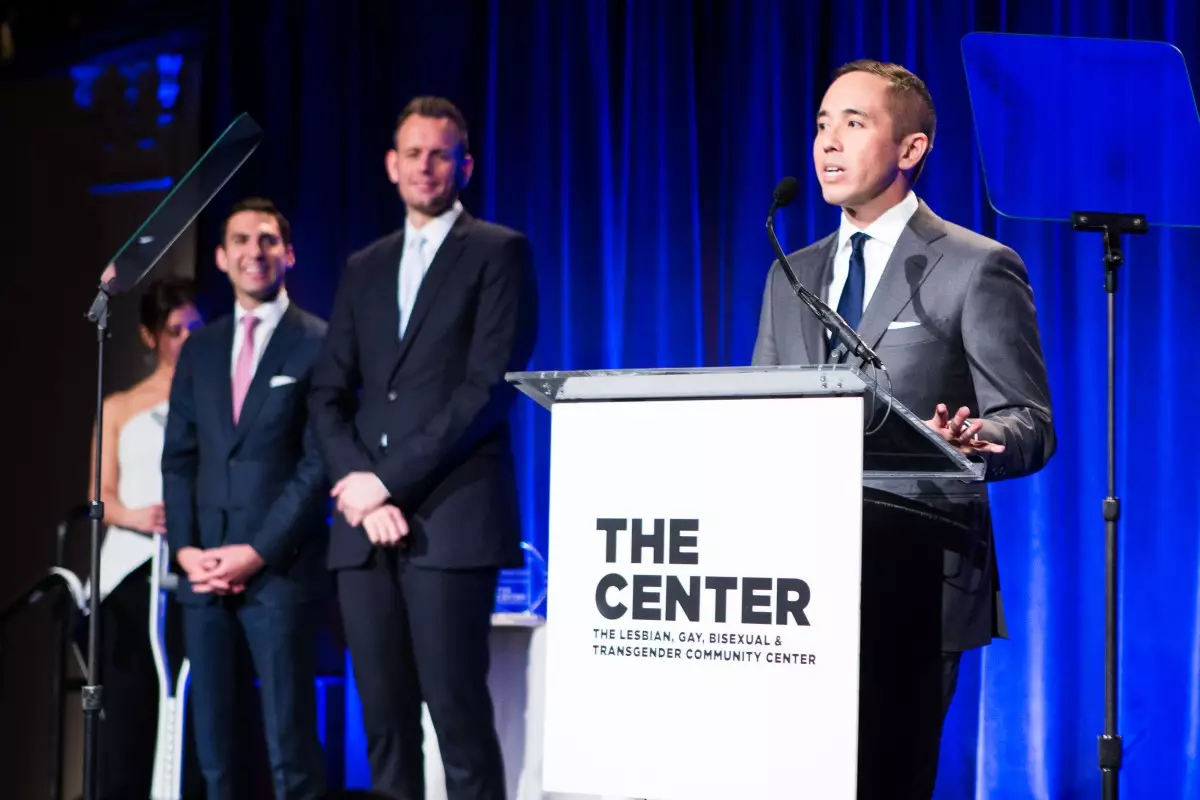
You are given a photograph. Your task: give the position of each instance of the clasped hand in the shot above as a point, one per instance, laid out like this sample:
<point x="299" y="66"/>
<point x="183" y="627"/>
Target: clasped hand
<point x="362" y="500"/>
<point x="961" y="434"/>
<point x="220" y="570"/>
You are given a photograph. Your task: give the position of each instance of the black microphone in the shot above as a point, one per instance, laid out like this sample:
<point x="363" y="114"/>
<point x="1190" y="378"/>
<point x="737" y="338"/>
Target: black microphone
<point x="785" y="193"/>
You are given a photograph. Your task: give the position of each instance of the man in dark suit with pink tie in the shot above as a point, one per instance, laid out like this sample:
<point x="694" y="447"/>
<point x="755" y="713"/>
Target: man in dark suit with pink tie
<point x="246" y="500"/>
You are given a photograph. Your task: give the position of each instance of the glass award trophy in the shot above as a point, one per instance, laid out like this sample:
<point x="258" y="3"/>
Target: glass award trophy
<point x="521" y="592"/>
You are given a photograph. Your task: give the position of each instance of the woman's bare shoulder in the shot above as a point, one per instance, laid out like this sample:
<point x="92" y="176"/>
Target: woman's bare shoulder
<point x="126" y="404"/>
<point x="115" y="406"/>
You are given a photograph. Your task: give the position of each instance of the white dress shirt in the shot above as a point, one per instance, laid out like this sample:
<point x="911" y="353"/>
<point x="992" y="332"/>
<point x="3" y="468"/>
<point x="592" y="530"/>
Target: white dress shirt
<point x="884" y="233"/>
<point x="268" y="315"/>
<point x="420" y="247"/>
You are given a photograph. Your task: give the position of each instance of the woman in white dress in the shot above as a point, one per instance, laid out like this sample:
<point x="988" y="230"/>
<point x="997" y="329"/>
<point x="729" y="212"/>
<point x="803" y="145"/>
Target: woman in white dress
<point x="131" y="489"/>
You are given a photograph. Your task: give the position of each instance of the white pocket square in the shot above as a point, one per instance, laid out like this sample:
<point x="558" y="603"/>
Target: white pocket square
<point x="897" y="325"/>
<point x="281" y="380"/>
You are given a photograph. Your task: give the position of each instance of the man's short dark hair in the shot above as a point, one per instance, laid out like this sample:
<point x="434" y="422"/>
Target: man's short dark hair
<point x="911" y="104"/>
<point x="436" y="108"/>
<point x="263" y="206"/>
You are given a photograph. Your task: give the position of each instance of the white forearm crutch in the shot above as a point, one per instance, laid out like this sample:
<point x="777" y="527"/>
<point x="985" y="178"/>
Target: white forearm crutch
<point x="167" y="783"/>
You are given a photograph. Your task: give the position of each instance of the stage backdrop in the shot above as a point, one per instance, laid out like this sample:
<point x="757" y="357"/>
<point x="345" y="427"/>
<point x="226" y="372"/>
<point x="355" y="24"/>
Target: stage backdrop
<point x="637" y="145"/>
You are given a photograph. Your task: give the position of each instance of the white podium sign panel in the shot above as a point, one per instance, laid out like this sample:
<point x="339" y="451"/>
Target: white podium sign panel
<point x="703" y="611"/>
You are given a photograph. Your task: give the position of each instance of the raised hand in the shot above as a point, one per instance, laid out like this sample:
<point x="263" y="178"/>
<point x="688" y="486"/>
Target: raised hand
<point x="961" y="431"/>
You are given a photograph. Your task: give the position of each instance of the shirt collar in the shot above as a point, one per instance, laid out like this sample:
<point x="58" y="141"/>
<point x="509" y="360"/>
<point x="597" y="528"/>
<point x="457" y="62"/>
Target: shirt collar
<point x="268" y="313"/>
<point x="437" y="229"/>
<point x="887" y="228"/>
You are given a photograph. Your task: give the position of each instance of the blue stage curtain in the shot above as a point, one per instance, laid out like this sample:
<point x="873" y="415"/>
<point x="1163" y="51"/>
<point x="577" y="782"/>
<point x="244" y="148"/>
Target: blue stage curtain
<point x="637" y="144"/>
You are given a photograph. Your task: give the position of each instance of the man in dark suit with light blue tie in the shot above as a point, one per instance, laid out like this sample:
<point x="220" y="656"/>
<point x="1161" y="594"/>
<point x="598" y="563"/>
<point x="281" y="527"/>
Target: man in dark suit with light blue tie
<point x="246" y="499"/>
<point x="951" y="315"/>
<point x="412" y="410"/>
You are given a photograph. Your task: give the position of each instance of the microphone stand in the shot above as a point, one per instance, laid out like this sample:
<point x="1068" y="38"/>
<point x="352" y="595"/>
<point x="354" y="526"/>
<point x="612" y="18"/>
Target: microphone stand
<point x="93" y="693"/>
<point x="1111" y="226"/>
<point x="833" y="321"/>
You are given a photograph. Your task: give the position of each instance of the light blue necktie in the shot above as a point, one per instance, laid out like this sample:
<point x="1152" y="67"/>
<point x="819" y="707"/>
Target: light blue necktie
<point x="412" y="272"/>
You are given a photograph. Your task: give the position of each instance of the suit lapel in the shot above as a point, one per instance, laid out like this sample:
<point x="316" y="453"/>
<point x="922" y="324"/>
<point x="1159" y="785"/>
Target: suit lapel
<point x="385" y="296"/>
<point x="911" y="262"/>
<point x="441" y="268"/>
<point x="224" y="378"/>
<point x="285" y="337"/>
<point x="816" y="343"/>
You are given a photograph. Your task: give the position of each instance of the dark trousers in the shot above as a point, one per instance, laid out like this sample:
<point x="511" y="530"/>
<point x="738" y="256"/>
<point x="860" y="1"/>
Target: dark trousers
<point x="906" y="681"/>
<point x="422" y="635"/>
<point x="129" y="725"/>
<point x="282" y="645"/>
<point x="900" y="727"/>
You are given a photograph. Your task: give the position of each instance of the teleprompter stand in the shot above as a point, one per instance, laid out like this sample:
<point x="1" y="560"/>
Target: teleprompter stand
<point x="93" y="693"/>
<point x="1112" y="227"/>
<point x="1092" y="154"/>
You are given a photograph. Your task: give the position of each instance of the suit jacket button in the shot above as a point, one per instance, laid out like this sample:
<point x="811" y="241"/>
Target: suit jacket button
<point x="391" y="397"/>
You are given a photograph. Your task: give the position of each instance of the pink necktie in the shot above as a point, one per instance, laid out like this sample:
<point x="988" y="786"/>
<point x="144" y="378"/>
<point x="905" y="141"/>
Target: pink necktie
<point x="243" y="372"/>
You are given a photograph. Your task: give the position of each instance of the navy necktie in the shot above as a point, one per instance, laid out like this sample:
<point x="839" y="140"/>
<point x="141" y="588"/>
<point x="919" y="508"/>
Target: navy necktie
<point x="850" y="306"/>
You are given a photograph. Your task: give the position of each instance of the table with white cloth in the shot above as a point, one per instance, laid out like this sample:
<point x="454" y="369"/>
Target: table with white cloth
<point x="517" y="682"/>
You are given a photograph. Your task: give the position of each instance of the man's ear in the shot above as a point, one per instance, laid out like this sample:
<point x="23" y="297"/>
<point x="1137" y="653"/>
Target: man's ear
<point x="913" y="149"/>
<point x="391" y="163"/>
<point x="465" y="170"/>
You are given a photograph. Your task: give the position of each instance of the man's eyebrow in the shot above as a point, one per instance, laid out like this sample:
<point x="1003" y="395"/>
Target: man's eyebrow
<point x="846" y="112"/>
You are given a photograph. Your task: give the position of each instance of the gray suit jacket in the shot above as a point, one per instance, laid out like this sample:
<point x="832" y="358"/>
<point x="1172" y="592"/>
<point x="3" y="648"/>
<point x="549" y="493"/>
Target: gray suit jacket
<point x="976" y="344"/>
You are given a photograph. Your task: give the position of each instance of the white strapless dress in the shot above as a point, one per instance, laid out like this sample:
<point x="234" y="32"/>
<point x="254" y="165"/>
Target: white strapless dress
<point x="139" y="484"/>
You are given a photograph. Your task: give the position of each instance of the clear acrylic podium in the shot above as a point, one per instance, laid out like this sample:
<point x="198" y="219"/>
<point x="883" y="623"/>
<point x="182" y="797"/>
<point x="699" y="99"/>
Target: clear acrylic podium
<point x="896" y="442"/>
<point x="708" y="570"/>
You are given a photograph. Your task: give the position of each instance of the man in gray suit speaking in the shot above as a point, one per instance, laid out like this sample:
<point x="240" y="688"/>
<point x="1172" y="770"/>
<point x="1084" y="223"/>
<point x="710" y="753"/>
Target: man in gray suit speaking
<point x="951" y="315"/>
